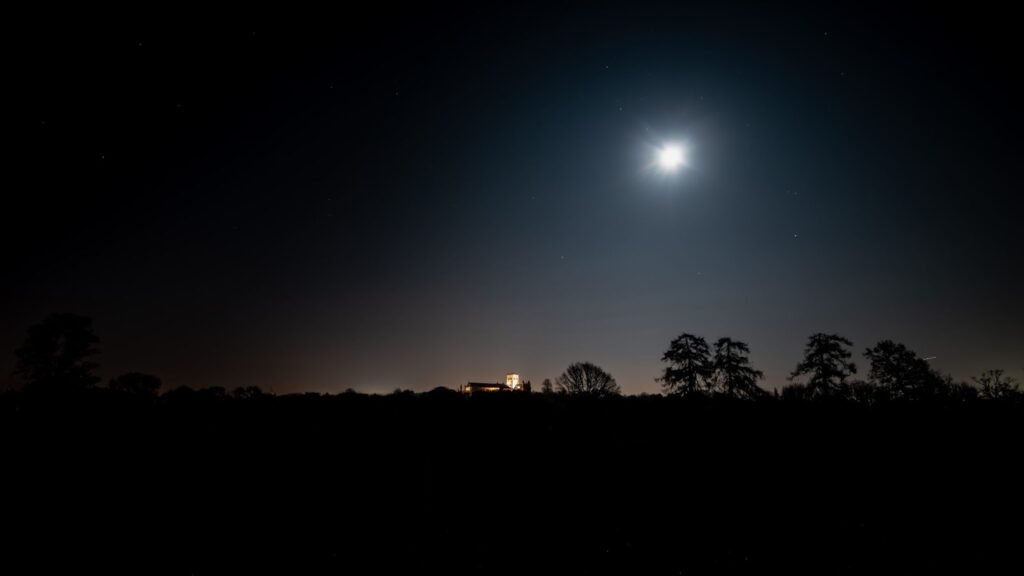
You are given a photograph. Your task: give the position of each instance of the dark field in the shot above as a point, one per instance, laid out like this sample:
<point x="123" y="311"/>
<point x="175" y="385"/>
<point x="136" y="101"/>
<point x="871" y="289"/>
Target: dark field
<point x="438" y="483"/>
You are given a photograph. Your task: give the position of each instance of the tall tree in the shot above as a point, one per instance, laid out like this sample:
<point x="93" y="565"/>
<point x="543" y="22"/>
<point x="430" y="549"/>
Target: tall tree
<point x="585" y="378"/>
<point x="827" y="361"/>
<point x="689" y="367"/>
<point x="900" y="372"/>
<point x="56" y="355"/>
<point x="994" y="386"/>
<point x="733" y="374"/>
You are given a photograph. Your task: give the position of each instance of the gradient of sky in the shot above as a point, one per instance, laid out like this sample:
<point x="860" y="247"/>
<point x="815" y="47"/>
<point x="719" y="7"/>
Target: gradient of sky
<point x="422" y="198"/>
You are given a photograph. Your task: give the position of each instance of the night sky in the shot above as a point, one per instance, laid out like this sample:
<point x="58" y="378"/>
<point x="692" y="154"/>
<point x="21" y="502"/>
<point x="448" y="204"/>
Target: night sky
<point x="417" y="198"/>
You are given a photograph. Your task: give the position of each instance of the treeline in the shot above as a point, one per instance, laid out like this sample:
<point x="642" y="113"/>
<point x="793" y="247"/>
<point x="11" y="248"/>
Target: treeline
<point x="57" y="359"/>
<point x="826" y="372"/>
<point x="716" y="477"/>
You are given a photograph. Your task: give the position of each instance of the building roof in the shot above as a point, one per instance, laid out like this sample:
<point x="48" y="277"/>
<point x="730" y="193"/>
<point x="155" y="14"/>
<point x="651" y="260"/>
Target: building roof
<point x="499" y="385"/>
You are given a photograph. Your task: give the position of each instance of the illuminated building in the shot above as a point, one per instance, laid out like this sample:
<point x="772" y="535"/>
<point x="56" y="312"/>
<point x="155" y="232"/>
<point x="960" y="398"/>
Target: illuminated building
<point x="513" y="383"/>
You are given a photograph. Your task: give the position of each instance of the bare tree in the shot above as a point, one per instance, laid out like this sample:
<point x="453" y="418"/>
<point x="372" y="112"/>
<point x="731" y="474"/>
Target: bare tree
<point x="994" y="386"/>
<point x="586" y="379"/>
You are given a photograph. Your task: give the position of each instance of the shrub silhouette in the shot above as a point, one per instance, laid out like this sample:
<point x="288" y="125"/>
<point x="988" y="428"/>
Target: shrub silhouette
<point x="246" y="392"/>
<point x="136" y="384"/>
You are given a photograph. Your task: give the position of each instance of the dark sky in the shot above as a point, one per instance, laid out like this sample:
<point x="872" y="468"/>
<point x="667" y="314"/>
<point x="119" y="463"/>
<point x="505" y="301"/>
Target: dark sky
<point x="414" y="198"/>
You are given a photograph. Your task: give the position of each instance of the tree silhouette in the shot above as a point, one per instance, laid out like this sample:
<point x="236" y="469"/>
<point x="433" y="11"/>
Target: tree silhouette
<point x="246" y="392"/>
<point x="212" y="393"/>
<point x="827" y="361"/>
<point x="546" y="387"/>
<point x="901" y="373"/>
<point x="56" y="354"/>
<point x="584" y="378"/>
<point x="689" y="367"/>
<point x="959" y="391"/>
<point x="732" y="372"/>
<point x="863" y="392"/>
<point x="136" y="384"/>
<point x="994" y="386"/>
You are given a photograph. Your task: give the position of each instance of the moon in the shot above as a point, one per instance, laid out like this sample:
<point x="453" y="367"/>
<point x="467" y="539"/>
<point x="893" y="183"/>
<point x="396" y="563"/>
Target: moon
<point x="671" y="157"/>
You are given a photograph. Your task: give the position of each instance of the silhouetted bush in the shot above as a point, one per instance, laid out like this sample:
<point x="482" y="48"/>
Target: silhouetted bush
<point x="247" y="393"/>
<point x="136" y="384"/>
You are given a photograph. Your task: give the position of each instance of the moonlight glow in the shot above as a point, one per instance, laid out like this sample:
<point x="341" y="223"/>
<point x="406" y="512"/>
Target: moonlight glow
<point x="671" y="157"/>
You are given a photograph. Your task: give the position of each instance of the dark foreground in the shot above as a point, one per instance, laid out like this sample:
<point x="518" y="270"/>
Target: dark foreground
<point x="508" y="485"/>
